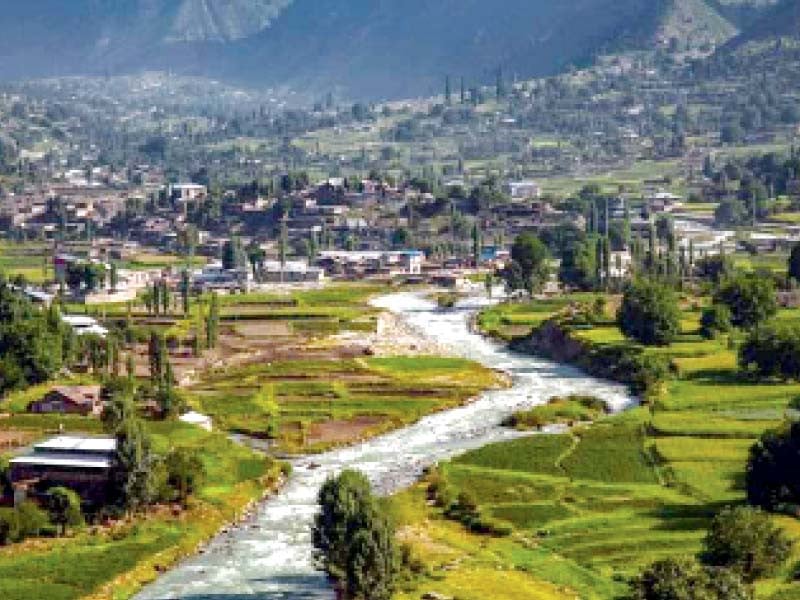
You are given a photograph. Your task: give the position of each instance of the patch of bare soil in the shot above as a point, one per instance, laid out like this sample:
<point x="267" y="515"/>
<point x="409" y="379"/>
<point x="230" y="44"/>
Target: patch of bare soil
<point x="341" y="432"/>
<point x="392" y="338"/>
<point x="12" y="439"/>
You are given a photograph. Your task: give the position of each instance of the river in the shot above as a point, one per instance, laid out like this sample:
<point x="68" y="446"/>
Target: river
<point x="269" y="556"/>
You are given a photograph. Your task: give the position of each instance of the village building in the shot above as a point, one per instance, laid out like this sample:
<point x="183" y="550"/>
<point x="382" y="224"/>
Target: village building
<point x="361" y="263"/>
<point x="82" y="464"/>
<point x="523" y="190"/>
<point x="70" y="400"/>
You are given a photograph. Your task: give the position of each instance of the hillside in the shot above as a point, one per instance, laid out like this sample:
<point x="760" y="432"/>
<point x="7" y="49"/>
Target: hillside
<point x="779" y="20"/>
<point x="360" y="48"/>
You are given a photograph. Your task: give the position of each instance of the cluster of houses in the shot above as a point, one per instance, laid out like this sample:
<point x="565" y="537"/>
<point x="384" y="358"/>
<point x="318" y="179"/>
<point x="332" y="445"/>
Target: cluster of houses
<point x="83" y="464"/>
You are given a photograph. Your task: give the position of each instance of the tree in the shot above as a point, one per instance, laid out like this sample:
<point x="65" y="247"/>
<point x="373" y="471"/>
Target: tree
<point x="133" y="476"/>
<point x="649" y="313"/>
<point x="715" y="320"/>
<point x="685" y="579"/>
<point x="751" y="299"/>
<point x="530" y="256"/>
<point x="119" y="408"/>
<point x="232" y="254"/>
<point x="255" y="256"/>
<point x="157" y="354"/>
<point x="354" y="539"/>
<point x="185" y="284"/>
<point x="34" y="344"/>
<point x="715" y="268"/>
<point x="342" y="501"/>
<point x="745" y="539"/>
<point x="372" y="559"/>
<point x="212" y="322"/>
<point x="64" y="506"/>
<point x="772" y="350"/>
<point x="772" y="478"/>
<point x="579" y="264"/>
<point x="794" y="263"/>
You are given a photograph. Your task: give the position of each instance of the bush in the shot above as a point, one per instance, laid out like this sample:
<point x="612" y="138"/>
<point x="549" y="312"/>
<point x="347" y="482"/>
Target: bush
<point x="750" y="299"/>
<point x="745" y="539"/>
<point x="9" y="526"/>
<point x="649" y="313"/>
<point x="773" y="479"/>
<point x="65" y="508"/>
<point x="32" y="520"/>
<point x="685" y="579"/>
<point x="715" y="320"/>
<point x="17" y="524"/>
<point x="185" y="473"/>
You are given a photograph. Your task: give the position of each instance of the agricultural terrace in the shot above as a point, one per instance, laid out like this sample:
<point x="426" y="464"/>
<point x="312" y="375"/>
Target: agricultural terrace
<point x="312" y="404"/>
<point x="593" y="507"/>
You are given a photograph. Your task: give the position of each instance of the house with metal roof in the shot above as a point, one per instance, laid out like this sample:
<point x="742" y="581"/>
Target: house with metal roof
<point x="82" y="464"/>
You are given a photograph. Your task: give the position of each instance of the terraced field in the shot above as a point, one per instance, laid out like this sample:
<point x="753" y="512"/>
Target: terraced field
<point x="329" y="402"/>
<point x="592" y="507"/>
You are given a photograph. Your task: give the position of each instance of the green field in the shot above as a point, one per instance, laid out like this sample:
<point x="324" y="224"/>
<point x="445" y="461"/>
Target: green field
<point x="378" y="393"/>
<point x="114" y="562"/>
<point x="592" y="507"/>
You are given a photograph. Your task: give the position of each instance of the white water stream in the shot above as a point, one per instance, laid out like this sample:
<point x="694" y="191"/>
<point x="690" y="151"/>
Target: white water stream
<point x="269" y="556"/>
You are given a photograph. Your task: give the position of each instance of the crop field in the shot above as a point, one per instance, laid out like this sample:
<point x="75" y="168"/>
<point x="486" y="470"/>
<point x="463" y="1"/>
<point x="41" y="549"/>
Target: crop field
<point x="592" y="507"/>
<point x="508" y="320"/>
<point x="362" y="396"/>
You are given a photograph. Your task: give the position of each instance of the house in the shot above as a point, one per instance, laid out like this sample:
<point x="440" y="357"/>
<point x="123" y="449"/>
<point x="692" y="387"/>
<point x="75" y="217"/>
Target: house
<point x="355" y="263"/>
<point x="82" y="400"/>
<point x="82" y="464"/>
<point x="523" y="190"/>
<point x="83" y="325"/>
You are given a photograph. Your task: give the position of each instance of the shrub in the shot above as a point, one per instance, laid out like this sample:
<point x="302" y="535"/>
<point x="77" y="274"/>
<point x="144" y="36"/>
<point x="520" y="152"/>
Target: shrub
<point x="649" y="313"/>
<point x="9" y="526"/>
<point x="185" y="472"/>
<point x="65" y="508"/>
<point x="745" y="539"/>
<point x="32" y="520"/>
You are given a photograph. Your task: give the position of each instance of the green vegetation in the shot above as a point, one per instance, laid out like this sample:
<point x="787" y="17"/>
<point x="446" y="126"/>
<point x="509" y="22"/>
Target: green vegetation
<point x="649" y="313"/>
<point x="612" y="501"/>
<point x="569" y="410"/>
<point x="361" y="397"/>
<point x="355" y="538"/>
<point x="115" y="561"/>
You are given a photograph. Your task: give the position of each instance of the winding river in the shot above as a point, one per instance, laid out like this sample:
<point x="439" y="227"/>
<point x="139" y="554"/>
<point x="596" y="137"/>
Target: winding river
<point x="269" y="556"/>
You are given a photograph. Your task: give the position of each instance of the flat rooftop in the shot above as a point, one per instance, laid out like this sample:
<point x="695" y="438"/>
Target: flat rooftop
<point x="66" y="460"/>
<point x="67" y="443"/>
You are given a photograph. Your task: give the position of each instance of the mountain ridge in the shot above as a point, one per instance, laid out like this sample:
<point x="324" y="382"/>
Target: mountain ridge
<point x="358" y="48"/>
